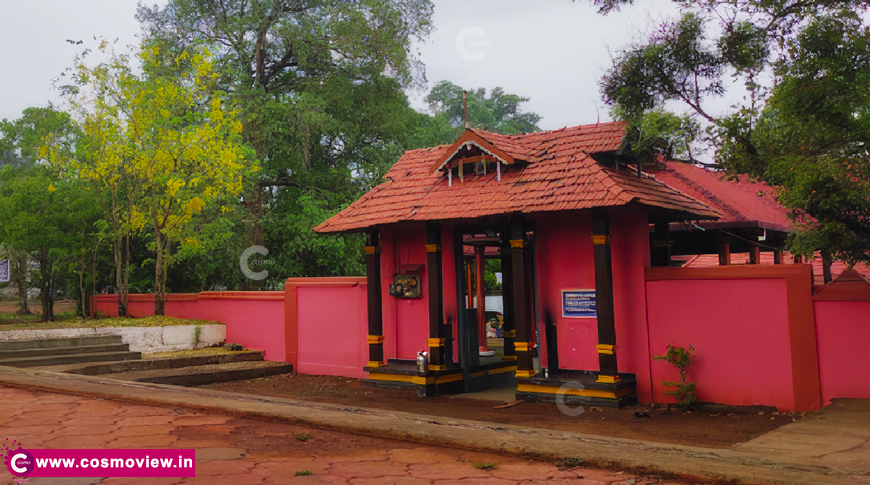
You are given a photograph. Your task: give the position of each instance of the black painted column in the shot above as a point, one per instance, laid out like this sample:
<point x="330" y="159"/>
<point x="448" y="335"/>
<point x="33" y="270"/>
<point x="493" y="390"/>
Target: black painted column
<point x="437" y="340"/>
<point x="661" y="245"/>
<point x="607" y="368"/>
<point x="522" y="327"/>
<point x="376" y="323"/>
<point x="510" y="332"/>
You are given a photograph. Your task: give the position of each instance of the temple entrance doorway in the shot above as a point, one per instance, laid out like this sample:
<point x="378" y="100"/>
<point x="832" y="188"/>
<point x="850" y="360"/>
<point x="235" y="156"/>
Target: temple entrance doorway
<point x="486" y="327"/>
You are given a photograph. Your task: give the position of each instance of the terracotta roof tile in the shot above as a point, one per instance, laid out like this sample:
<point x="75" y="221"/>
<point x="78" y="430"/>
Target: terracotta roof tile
<point x="558" y="173"/>
<point x="737" y="200"/>
<point x="837" y="267"/>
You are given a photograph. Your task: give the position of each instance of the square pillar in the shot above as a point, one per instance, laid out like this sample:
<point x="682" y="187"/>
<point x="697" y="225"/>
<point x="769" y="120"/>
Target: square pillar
<point x="375" y="313"/>
<point x="755" y="255"/>
<point x="724" y="250"/>
<point x="437" y="337"/>
<point x="607" y="368"/>
<point x="510" y="332"/>
<point x="522" y="326"/>
<point x="480" y="294"/>
<point x="661" y="250"/>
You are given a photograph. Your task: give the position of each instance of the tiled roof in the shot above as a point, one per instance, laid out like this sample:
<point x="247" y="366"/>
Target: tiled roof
<point x="837" y="267"/>
<point x="738" y="200"/>
<point x="561" y="175"/>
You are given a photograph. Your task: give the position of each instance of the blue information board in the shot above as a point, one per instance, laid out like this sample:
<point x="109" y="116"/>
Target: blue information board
<point x="579" y="304"/>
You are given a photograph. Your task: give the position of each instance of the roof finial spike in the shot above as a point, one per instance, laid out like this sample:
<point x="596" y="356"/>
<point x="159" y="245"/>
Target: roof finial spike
<point x="465" y="109"/>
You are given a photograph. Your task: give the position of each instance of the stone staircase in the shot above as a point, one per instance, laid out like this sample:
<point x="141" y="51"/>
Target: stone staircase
<point x="188" y="371"/>
<point x="109" y="357"/>
<point x="64" y="351"/>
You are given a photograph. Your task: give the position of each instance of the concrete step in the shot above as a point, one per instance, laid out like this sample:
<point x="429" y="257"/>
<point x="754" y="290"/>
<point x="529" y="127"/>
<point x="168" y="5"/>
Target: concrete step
<point x="45" y="360"/>
<point x="91" y="369"/>
<point x="206" y="374"/>
<point x="58" y="342"/>
<point x="76" y="349"/>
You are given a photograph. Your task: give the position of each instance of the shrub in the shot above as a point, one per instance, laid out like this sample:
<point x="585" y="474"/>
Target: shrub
<point x="684" y="392"/>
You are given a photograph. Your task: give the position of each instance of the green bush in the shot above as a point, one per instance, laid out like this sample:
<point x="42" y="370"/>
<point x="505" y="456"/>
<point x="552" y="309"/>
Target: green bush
<point x="684" y="392"/>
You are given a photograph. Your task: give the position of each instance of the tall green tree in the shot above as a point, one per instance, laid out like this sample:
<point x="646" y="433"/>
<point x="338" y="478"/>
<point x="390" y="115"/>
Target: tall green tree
<point x="167" y="138"/>
<point x="43" y="211"/>
<point x="498" y="112"/>
<point x="800" y="68"/>
<point x="320" y="86"/>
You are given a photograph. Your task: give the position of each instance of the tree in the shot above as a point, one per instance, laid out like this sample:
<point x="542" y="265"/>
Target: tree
<point x="813" y="137"/>
<point x="41" y="210"/>
<point x="100" y="155"/>
<point x="295" y="67"/>
<point x="164" y="144"/>
<point x="792" y="58"/>
<point x="499" y="112"/>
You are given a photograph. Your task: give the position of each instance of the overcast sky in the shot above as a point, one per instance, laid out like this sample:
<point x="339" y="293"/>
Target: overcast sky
<point x="552" y="51"/>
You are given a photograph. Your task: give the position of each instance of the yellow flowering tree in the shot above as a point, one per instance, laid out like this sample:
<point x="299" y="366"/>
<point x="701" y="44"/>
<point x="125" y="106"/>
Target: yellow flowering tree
<point x="172" y="145"/>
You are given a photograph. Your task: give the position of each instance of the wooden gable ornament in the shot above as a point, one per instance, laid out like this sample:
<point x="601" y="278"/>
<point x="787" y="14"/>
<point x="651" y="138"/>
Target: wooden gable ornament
<point x="473" y="147"/>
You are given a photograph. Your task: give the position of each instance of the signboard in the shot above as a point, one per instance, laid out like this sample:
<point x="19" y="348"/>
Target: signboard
<point x="4" y="271"/>
<point x="579" y="304"/>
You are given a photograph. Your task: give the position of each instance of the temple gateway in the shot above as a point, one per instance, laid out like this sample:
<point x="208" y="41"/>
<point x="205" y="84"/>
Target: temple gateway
<point x="517" y="261"/>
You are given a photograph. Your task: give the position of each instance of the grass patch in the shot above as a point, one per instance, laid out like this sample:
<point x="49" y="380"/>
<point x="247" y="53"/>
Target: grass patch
<point x="5" y="317"/>
<point x="303" y="437"/>
<point x="304" y="473"/>
<point x="172" y="354"/>
<point x="570" y="462"/>
<point x="152" y="321"/>
<point x="485" y="466"/>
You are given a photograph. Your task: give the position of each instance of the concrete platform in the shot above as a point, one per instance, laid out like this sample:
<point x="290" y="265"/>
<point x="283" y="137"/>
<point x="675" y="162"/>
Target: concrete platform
<point x="838" y="435"/>
<point x="200" y="375"/>
<point x="92" y="369"/>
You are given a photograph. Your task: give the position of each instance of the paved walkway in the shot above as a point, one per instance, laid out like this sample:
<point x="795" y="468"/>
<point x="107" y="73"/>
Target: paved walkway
<point x="753" y="464"/>
<point x="836" y="436"/>
<point x="231" y="450"/>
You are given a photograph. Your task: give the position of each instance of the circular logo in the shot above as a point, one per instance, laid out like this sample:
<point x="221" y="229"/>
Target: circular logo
<point x="20" y="463"/>
<point x="565" y="398"/>
<point x="476" y="42"/>
<point x="246" y="268"/>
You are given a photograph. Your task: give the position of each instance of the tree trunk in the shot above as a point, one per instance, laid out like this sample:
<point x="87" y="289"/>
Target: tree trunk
<point x="21" y="281"/>
<point x="82" y="306"/>
<point x="120" y="286"/>
<point x="159" y="277"/>
<point x="45" y="288"/>
<point x="94" y="277"/>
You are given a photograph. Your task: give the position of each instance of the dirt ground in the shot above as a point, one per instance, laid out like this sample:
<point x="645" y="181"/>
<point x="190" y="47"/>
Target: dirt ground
<point x="720" y="428"/>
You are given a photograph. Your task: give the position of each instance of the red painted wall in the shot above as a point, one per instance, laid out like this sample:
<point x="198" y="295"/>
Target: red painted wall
<point x="630" y="255"/>
<point x="406" y="321"/>
<point x="254" y="319"/>
<point x="740" y="331"/>
<point x="564" y="260"/>
<point x="332" y="337"/>
<point x="843" y="339"/>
